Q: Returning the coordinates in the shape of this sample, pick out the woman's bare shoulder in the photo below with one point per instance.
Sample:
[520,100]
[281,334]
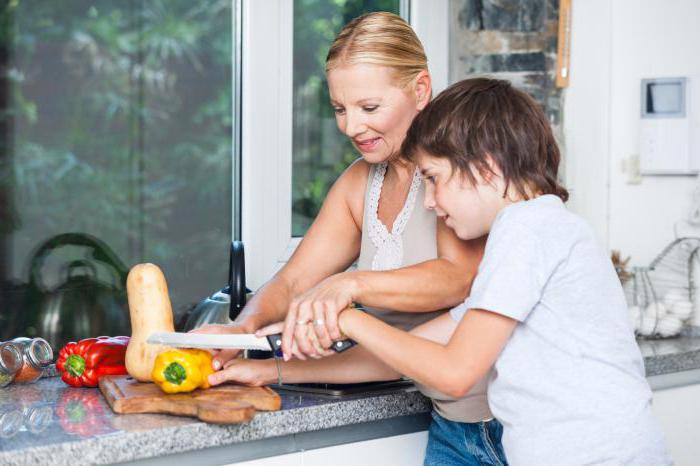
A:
[356,172]
[352,185]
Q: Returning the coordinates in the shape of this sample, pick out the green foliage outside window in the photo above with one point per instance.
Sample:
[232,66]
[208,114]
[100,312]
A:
[117,122]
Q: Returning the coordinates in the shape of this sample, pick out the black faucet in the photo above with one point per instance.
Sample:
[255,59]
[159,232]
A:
[236,279]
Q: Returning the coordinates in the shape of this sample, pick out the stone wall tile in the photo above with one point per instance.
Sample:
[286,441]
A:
[508,39]
[504,15]
[471,15]
[508,62]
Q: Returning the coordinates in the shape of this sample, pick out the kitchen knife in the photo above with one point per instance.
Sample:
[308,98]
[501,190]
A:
[230,340]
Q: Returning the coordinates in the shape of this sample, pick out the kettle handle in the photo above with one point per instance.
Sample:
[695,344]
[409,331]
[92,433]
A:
[236,279]
[100,252]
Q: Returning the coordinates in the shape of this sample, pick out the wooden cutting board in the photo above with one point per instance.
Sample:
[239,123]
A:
[227,404]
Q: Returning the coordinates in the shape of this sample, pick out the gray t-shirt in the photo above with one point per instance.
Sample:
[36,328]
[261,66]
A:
[569,386]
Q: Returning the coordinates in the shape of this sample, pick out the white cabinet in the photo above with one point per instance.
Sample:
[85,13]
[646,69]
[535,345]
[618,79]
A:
[400,450]
[678,411]
[293,459]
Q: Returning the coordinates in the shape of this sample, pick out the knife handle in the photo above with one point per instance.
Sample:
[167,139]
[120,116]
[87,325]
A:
[341,345]
[276,344]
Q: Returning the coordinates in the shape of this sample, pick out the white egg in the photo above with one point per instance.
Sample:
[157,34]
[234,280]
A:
[673,296]
[646,325]
[681,309]
[634,314]
[656,310]
[669,326]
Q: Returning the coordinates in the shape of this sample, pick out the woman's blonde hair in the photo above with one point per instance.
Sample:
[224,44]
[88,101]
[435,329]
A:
[379,38]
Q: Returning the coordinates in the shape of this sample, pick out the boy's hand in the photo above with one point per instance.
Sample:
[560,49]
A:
[252,372]
[311,325]
[347,320]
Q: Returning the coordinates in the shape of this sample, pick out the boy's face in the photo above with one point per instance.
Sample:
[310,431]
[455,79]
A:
[468,210]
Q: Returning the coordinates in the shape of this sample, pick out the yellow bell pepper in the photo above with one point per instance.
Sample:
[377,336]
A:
[182,370]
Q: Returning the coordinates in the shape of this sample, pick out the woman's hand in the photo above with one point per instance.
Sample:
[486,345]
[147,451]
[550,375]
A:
[311,337]
[311,325]
[221,357]
[252,372]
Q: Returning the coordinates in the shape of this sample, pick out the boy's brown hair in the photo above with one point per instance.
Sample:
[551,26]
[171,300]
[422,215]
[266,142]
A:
[475,118]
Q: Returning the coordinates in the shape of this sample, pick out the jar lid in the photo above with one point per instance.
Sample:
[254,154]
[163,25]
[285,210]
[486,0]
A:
[39,352]
[10,358]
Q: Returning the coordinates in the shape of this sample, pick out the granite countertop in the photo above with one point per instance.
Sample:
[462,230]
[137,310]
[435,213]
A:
[50,423]
[665,356]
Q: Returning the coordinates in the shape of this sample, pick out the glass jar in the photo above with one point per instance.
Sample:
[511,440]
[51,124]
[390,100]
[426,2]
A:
[36,356]
[10,363]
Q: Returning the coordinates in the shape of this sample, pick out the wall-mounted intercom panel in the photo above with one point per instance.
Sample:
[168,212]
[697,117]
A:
[665,136]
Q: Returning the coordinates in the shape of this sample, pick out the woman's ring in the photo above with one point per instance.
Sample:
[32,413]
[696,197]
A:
[319,322]
[302,322]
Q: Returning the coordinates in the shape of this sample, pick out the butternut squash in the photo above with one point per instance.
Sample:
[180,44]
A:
[150,311]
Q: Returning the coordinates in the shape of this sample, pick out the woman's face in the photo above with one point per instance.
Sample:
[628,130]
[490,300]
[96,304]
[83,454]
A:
[371,110]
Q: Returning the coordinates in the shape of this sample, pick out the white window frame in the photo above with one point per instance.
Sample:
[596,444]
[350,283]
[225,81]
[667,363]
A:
[266,121]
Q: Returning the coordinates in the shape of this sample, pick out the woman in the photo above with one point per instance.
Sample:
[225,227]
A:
[409,264]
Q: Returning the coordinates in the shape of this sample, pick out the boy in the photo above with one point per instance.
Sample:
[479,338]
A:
[546,309]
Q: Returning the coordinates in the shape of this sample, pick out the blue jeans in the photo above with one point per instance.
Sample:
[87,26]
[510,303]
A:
[453,443]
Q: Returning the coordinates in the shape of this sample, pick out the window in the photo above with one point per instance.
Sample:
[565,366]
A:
[120,125]
[116,124]
[291,148]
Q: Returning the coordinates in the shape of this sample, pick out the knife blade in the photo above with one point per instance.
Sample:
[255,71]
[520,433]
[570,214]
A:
[230,341]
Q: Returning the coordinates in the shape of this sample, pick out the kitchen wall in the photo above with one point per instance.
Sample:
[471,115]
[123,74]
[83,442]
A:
[615,43]
[508,39]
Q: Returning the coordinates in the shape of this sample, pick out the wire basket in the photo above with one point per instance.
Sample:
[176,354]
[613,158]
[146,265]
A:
[661,297]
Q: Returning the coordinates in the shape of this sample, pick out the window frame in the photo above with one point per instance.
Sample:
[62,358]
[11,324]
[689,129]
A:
[266,87]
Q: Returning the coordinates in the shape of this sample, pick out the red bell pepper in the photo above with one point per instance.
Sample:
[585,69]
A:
[82,364]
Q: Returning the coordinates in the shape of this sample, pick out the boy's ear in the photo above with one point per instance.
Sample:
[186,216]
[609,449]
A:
[423,89]
[493,170]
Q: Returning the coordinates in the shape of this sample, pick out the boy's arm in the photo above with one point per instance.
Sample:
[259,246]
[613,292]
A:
[452,368]
[352,366]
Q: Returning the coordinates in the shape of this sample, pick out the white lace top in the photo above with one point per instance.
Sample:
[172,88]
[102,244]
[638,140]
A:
[388,244]
[412,240]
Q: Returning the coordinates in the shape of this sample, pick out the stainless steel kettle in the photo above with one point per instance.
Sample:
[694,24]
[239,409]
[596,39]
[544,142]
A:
[82,306]
[223,306]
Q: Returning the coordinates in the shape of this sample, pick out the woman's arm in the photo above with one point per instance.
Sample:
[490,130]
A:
[451,368]
[331,244]
[434,284]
